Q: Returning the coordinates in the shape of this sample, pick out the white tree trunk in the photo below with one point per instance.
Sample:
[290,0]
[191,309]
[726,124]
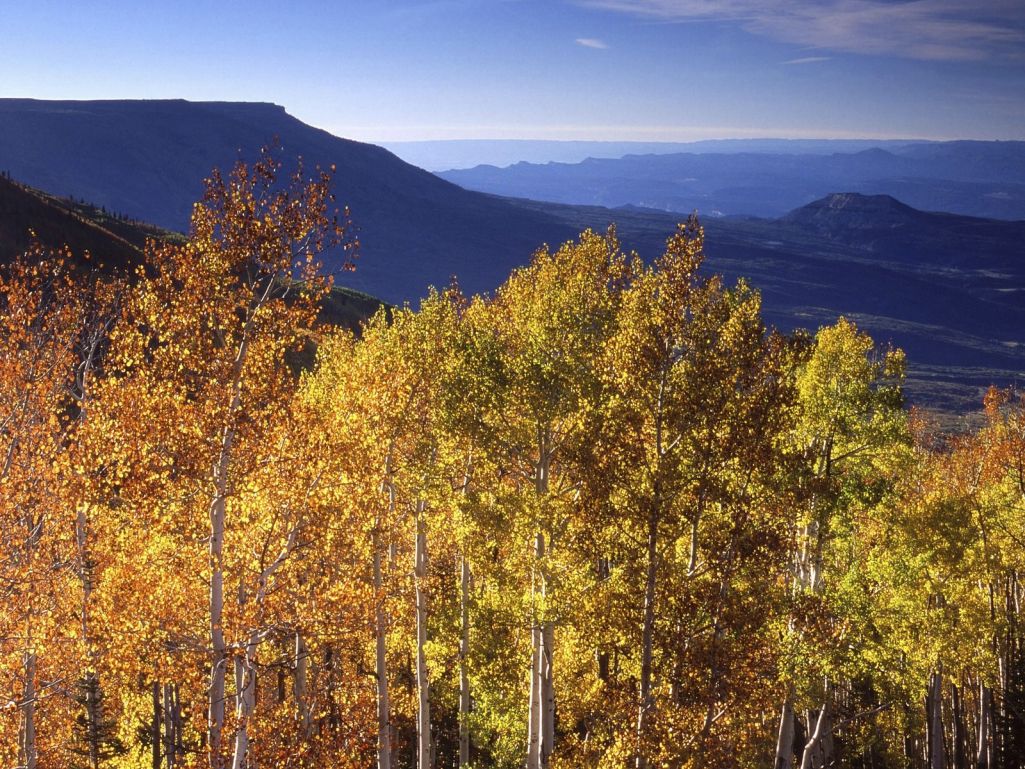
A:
[982,757]
[155,727]
[423,719]
[785,739]
[464,637]
[937,752]
[534,705]
[547,694]
[219,653]
[380,632]
[29,751]
[245,665]
[541,733]
[29,748]
[464,652]
[91,683]
[302,707]
[245,702]
[828,745]
[218,508]
[219,649]
[958,754]
[645,701]
[172,725]
[812,757]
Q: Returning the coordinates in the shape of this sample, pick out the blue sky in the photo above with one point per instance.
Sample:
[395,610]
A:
[395,70]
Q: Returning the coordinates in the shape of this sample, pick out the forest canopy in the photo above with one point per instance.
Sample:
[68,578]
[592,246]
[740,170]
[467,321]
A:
[602,517]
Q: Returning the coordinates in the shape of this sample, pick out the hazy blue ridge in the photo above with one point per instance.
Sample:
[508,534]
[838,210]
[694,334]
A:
[984,179]
[448,154]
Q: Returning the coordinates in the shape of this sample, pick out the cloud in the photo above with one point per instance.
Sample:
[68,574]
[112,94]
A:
[945,30]
[809,60]
[592,42]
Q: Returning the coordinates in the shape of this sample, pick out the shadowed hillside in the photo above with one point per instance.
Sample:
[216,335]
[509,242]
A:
[114,242]
[27,214]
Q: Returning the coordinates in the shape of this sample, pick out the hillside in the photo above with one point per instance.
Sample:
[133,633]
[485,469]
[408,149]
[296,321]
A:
[147,160]
[27,214]
[985,179]
[925,239]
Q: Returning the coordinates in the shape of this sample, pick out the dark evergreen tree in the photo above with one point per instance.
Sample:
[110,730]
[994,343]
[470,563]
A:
[95,734]
[1010,718]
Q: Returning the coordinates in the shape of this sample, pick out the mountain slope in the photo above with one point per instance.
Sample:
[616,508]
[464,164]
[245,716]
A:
[923,238]
[95,238]
[147,159]
[949,289]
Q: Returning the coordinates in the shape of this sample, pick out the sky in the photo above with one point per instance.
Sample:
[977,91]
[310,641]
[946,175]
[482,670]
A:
[645,70]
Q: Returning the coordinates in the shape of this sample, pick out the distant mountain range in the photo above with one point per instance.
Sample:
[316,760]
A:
[950,289]
[448,154]
[973,178]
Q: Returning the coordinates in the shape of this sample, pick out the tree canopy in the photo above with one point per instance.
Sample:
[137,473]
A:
[602,517]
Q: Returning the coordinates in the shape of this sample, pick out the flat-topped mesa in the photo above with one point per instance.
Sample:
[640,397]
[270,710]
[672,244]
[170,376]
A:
[118,105]
[147,159]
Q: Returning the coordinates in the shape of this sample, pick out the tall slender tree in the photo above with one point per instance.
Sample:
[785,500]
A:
[201,367]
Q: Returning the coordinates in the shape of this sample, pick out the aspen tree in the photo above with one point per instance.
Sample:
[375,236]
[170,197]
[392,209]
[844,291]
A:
[208,329]
[850,411]
[44,318]
[551,317]
[699,400]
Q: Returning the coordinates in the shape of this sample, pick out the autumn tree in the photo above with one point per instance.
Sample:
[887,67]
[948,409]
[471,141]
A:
[55,319]
[851,426]
[695,406]
[199,380]
[550,319]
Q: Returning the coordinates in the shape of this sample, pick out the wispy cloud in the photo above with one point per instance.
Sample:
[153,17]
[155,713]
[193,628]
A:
[952,30]
[809,60]
[592,42]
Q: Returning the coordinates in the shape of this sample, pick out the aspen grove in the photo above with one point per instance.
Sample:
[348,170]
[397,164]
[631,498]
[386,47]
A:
[602,517]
